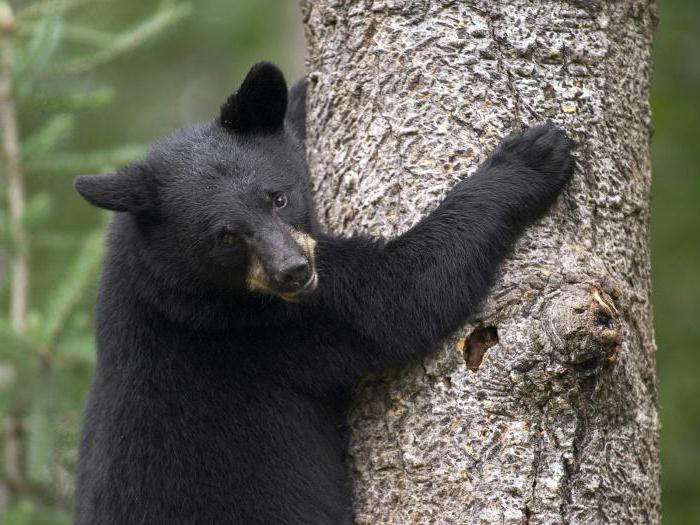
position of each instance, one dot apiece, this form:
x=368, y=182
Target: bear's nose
x=295, y=272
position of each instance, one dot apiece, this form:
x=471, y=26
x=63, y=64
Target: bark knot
x=587, y=329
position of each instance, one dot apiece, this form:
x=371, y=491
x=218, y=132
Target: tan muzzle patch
x=259, y=281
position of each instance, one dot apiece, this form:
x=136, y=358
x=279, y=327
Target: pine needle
x=128, y=40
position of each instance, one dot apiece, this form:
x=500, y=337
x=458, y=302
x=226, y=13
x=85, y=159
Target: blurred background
x=98, y=80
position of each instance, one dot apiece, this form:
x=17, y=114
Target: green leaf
x=52, y=134
x=8, y=386
x=128, y=40
x=56, y=240
x=27, y=512
x=70, y=291
x=35, y=328
x=15, y=348
x=87, y=162
x=37, y=210
x=80, y=350
x=70, y=101
x=88, y=36
x=51, y=6
x=4, y=227
x=44, y=41
x=41, y=430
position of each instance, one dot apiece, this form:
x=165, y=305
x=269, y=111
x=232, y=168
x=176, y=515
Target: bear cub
x=231, y=329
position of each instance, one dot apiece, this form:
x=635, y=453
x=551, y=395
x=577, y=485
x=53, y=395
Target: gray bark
x=544, y=408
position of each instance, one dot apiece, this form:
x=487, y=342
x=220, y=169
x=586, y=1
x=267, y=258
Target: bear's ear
x=131, y=189
x=259, y=104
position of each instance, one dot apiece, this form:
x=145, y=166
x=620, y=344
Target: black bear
x=231, y=329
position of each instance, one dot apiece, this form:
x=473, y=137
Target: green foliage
x=49, y=136
x=86, y=100
x=40, y=439
x=67, y=295
x=45, y=368
x=675, y=234
x=72, y=162
x=27, y=512
x=109, y=47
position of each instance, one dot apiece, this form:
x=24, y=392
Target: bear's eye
x=228, y=236
x=279, y=200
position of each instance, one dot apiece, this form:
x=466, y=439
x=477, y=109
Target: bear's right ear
x=259, y=104
x=130, y=189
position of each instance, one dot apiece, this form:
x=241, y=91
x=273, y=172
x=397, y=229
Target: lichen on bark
x=558, y=423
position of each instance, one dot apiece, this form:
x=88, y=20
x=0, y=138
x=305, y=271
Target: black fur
x=215, y=404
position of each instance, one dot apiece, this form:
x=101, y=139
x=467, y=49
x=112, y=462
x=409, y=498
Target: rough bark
x=543, y=410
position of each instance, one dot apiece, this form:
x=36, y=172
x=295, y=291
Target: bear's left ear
x=130, y=189
x=259, y=104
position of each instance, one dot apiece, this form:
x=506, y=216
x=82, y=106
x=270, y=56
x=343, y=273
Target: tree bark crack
x=536, y=460
x=490, y=19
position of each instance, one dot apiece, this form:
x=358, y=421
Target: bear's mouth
x=259, y=282
x=305, y=290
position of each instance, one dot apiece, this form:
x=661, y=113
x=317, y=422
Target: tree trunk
x=544, y=408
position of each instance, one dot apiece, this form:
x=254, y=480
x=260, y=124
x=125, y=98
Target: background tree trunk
x=543, y=410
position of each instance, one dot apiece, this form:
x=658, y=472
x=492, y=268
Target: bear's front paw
x=545, y=149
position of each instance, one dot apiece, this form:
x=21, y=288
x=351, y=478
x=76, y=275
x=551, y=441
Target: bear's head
x=226, y=202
